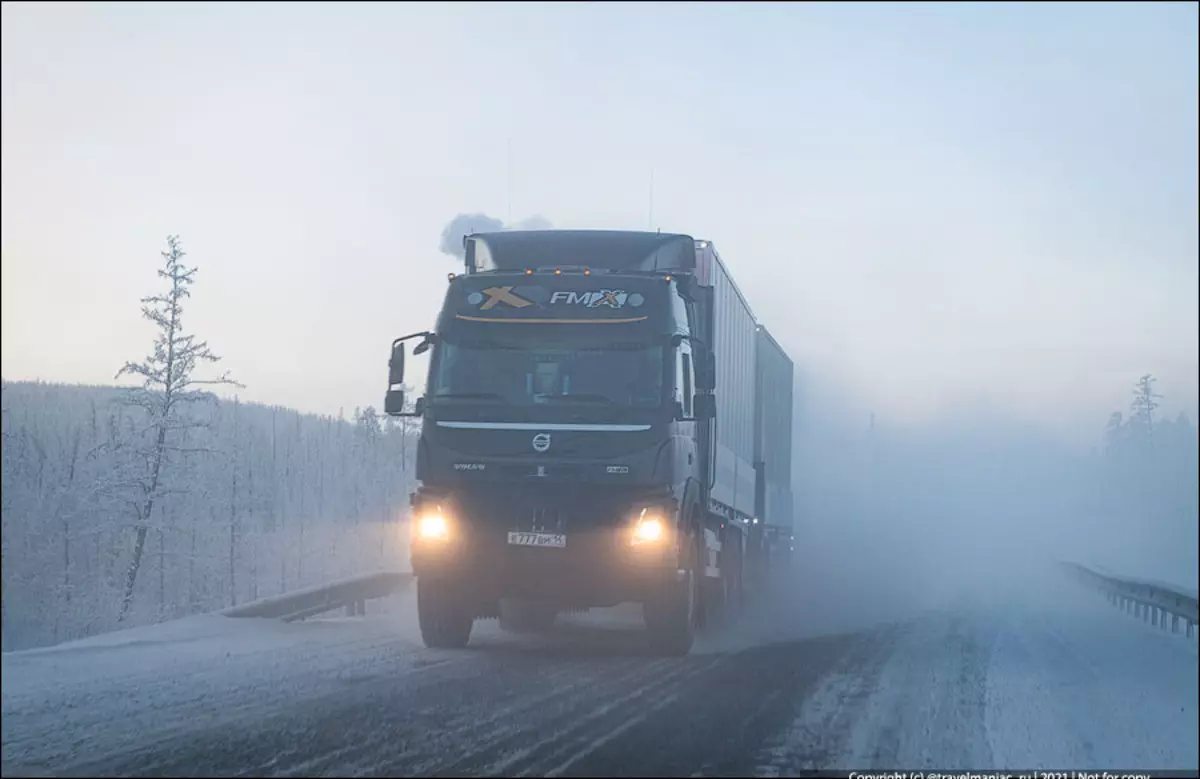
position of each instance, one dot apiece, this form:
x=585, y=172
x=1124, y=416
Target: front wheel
x=672, y=615
x=443, y=614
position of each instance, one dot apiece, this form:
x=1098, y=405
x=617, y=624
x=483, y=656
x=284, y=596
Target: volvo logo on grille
x=541, y=442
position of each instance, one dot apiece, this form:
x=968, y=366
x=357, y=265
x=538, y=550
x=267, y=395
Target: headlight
x=433, y=527
x=649, y=529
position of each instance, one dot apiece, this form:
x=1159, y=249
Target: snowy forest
x=259, y=501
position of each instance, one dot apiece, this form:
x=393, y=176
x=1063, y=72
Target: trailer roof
x=599, y=249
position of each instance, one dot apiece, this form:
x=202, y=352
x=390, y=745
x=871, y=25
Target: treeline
x=1149, y=486
x=252, y=501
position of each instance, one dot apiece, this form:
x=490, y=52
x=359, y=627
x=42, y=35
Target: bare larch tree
x=169, y=388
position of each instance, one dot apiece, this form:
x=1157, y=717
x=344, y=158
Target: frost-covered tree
x=1145, y=399
x=169, y=389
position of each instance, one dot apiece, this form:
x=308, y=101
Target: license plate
x=556, y=540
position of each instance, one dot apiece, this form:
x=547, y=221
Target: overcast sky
x=933, y=207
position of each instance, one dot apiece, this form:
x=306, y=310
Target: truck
x=597, y=428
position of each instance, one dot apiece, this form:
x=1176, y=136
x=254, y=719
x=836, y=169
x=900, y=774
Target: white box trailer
x=732, y=331
x=774, y=381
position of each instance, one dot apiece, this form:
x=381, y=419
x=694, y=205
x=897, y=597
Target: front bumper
x=599, y=566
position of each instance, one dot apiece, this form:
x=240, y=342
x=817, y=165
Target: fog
x=970, y=512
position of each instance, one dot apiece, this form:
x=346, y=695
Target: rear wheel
x=673, y=614
x=442, y=611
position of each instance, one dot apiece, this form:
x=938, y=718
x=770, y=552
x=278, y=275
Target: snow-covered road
x=984, y=680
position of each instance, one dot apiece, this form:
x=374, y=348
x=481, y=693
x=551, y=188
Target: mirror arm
x=410, y=336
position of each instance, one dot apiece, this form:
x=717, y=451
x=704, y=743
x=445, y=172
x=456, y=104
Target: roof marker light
x=558, y=271
x=529, y=271
x=450, y=276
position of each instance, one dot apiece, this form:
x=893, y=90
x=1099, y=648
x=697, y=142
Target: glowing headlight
x=433, y=527
x=648, y=530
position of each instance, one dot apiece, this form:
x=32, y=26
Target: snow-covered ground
x=1035, y=672
x=1062, y=681
x=123, y=689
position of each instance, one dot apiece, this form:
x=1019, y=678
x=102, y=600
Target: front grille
x=546, y=519
x=540, y=473
x=546, y=508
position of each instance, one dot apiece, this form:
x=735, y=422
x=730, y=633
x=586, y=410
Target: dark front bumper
x=597, y=567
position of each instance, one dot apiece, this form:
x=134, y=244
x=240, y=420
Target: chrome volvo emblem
x=541, y=442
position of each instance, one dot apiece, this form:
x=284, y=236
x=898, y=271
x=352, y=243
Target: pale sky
x=934, y=207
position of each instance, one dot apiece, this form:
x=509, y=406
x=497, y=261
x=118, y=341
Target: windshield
x=627, y=376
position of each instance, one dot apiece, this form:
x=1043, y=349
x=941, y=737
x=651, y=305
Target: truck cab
x=567, y=452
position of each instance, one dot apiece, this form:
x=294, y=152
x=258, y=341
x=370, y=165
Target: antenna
x=650, y=214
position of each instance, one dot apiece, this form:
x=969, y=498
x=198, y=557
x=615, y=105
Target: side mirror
x=396, y=366
x=704, y=407
x=393, y=402
x=393, y=405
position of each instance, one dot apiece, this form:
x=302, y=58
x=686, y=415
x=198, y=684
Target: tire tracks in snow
x=913, y=697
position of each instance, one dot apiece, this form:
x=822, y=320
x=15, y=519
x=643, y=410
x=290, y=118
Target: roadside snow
x=1074, y=683
x=1033, y=673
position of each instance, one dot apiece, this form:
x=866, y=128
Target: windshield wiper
x=468, y=396
x=582, y=397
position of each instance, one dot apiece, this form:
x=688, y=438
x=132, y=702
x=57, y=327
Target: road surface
x=1065, y=683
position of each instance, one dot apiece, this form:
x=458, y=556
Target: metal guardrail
x=352, y=594
x=1150, y=601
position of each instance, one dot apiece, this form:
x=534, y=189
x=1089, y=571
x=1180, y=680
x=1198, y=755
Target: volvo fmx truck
x=603, y=422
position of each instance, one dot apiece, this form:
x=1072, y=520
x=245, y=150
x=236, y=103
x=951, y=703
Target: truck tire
x=445, y=620
x=673, y=614
x=733, y=575
x=526, y=617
